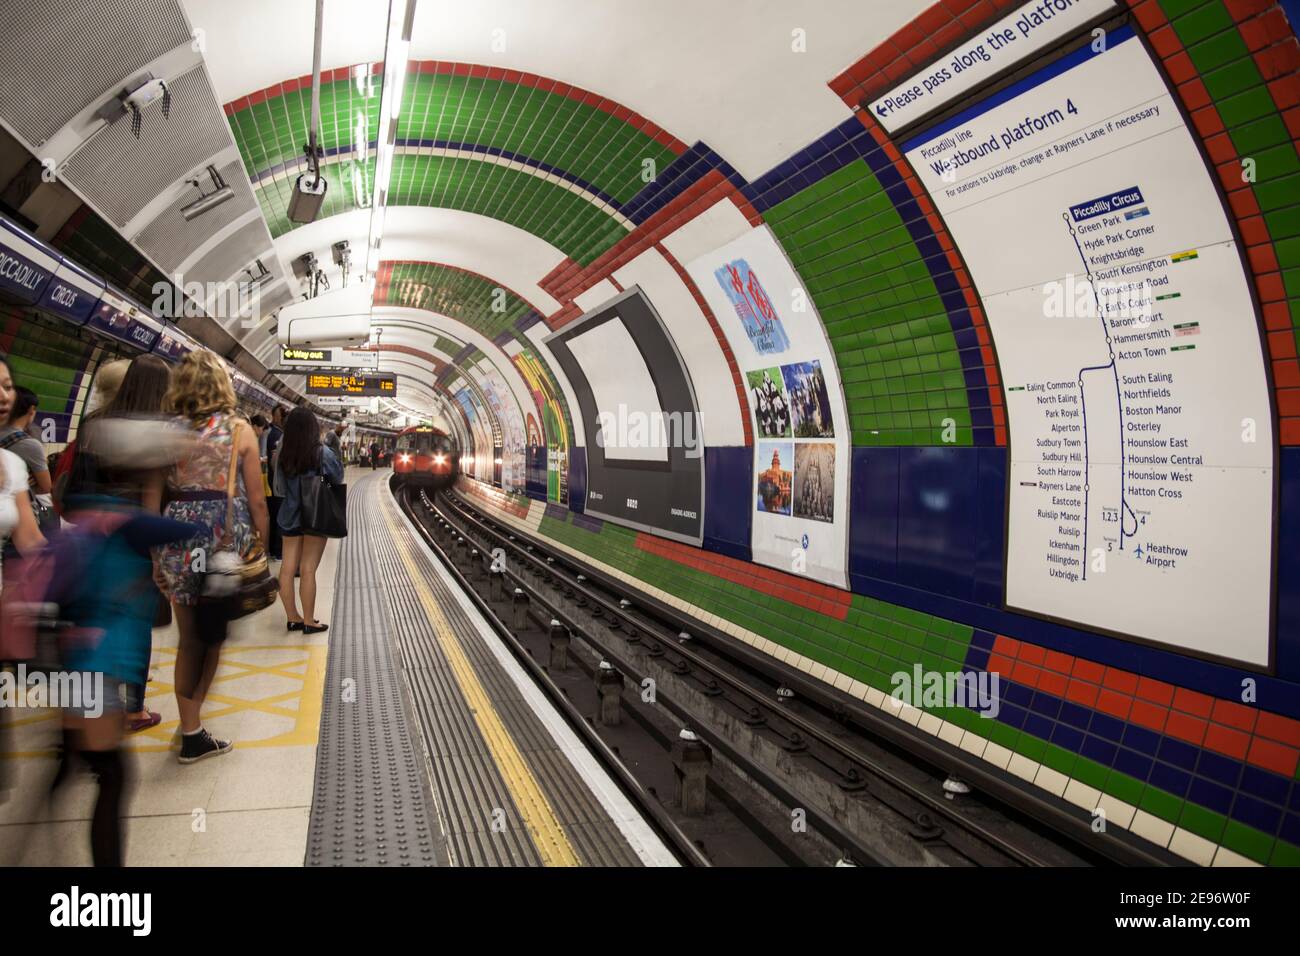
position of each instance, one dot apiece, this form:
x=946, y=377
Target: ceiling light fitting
x=221, y=192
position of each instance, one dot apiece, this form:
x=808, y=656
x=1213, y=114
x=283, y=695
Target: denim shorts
x=109, y=698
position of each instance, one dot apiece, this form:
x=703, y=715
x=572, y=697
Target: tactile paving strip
x=372, y=805
x=468, y=782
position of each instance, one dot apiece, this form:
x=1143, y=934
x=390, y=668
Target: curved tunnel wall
x=522, y=204
x=1191, y=753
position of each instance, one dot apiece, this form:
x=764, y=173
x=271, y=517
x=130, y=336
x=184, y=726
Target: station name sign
x=323, y=383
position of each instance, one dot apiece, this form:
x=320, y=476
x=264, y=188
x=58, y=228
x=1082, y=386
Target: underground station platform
x=767, y=436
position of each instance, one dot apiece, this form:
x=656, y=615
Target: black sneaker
x=195, y=747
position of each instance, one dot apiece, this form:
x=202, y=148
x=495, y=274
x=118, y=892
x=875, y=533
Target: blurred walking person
x=103, y=583
x=102, y=392
x=136, y=411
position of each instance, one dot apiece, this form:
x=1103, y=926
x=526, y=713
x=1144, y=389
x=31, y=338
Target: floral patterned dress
x=196, y=492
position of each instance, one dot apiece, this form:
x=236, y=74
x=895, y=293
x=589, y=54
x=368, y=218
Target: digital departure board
x=324, y=383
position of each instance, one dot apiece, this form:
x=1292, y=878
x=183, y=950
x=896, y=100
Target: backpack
x=46, y=517
x=41, y=598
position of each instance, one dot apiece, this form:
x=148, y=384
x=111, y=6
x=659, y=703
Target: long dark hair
x=143, y=387
x=300, y=448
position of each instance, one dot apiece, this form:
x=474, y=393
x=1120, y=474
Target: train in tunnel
x=425, y=457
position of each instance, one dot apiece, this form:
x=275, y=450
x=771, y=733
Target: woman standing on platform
x=301, y=456
x=202, y=395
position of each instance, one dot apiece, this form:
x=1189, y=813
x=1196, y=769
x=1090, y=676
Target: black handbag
x=324, y=507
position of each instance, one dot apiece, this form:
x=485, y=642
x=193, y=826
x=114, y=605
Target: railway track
x=792, y=751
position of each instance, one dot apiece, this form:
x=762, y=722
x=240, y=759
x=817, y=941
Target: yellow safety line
x=539, y=817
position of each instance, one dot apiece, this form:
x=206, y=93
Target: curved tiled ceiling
x=518, y=161
x=763, y=99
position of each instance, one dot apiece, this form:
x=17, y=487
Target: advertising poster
x=776, y=480
x=502, y=403
x=553, y=434
x=801, y=439
x=479, y=462
x=1142, y=484
x=644, y=441
x=814, y=489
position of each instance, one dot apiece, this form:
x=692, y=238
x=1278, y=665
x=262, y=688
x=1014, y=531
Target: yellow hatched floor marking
x=539, y=817
x=237, y=660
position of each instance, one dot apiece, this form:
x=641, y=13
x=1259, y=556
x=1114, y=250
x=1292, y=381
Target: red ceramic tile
x=1184, y=727
x=1120, y=681
x=1253, y=230
x=1243, y=203
x=1149, y=715
x=1082, y=693
x=1194, y=94
x=1061, y=663
x=1026, y=674
x=1191, y=702
x=949, y=34
x=1281, y=345
x=1117, y=705
x=1262, y=258
x=932, y=19
x=1289, y=429
x=907, y=36
x=1261, y=32
x=1286, y=91
x=1272, y=756
x=1276, y=727
x=1284, y=58
x=1149, y=14
x=1006, y=646
x=1165, y=41
x=1286, y=373
x=1242, y=9
x=1157, y=692
x=1227, y=741
x=1232, y=714
x=1270, y=287
x=999, y=664
x=1052, y=683
x=1180, y=67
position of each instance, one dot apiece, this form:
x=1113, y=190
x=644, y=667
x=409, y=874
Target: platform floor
x=406, y=735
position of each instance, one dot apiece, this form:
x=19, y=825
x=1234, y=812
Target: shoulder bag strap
x=230, y=479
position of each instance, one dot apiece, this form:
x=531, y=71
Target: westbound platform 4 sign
x=1140, y=427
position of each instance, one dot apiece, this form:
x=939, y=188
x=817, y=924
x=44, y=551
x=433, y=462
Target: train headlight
x=439, y=459
x=404, y=458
